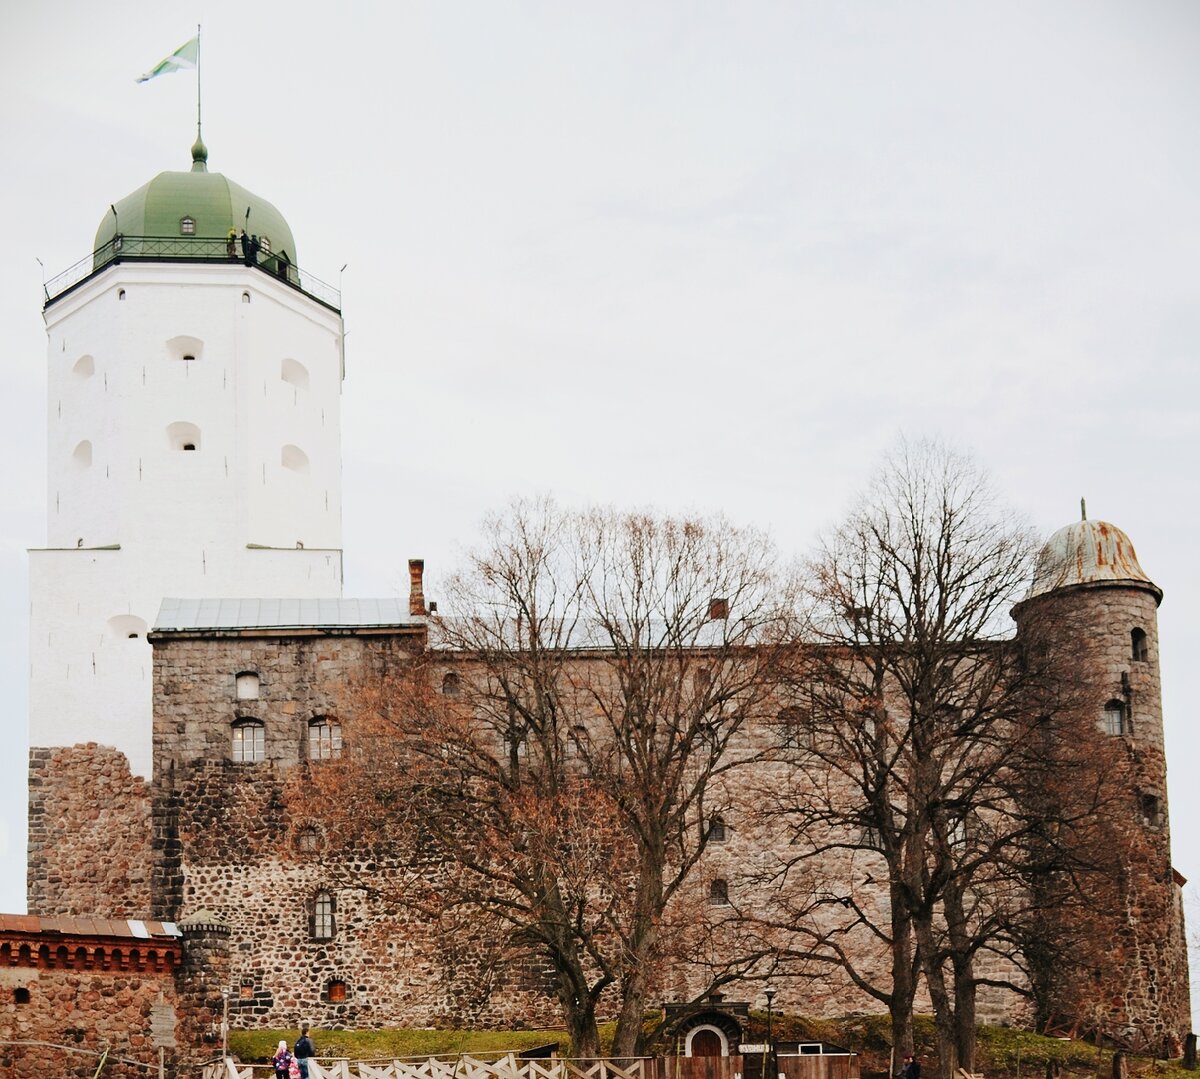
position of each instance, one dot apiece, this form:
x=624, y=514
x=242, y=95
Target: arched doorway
x=706, y=1042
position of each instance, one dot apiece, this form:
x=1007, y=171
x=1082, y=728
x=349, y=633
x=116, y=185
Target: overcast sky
x=695, y=256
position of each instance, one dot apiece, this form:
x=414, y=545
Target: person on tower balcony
x=231, y=243
x=245, y=247
x=255, y=248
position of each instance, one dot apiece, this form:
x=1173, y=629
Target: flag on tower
x=183, y=58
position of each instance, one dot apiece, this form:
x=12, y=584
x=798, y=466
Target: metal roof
x=192, y=614
x=67, y=925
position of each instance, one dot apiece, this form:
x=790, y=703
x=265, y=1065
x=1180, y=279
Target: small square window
x=187, y=226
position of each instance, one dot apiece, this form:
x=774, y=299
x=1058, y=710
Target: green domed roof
x=213, y=202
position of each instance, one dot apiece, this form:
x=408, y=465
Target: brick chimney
x=416, y=588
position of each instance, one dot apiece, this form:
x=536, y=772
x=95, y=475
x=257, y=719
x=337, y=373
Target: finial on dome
x=199, y=153
x=1083, y=509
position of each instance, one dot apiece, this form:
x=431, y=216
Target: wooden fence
x=462, y=1067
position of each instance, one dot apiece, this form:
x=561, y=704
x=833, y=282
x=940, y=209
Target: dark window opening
x=718, y=893
x=716, y=829
x=451, y=687
x=1141, y=645
x=20, y=995
x=1150, y=810
x=189, y=446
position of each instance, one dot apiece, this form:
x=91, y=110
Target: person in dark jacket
x=303, y=1050
x=911, y=1069
x=245, y=247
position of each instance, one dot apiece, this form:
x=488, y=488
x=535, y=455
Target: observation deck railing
x=190, y=249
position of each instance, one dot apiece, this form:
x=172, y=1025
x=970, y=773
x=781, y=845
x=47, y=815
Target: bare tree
x=924, y=730
x=557, y=753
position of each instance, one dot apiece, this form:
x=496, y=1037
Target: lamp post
x=770, y=991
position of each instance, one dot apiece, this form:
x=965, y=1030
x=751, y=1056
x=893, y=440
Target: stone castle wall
x=89, y=834
x=62, y=1006
x=225, y=834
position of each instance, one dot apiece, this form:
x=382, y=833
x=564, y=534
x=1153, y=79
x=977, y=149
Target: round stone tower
x=194, y=451
x=1089, y=571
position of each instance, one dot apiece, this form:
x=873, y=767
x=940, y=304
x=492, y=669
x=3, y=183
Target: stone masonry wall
x=1140, y=992
x=225, y=840
x=70, y=1016
x=89, y=834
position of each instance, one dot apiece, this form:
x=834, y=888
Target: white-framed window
x=324, y=739
x=187, y=226
x=1114, y=718
x=324, y=911
x=249, y=741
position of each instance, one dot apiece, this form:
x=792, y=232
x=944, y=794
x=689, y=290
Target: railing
x=190, y=249
x=508, y=1066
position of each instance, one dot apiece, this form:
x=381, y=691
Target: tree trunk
x=943, y=1011
x=963, y=960
x=900, y=1004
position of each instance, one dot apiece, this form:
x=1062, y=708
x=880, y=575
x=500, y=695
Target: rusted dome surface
x=1088, y=552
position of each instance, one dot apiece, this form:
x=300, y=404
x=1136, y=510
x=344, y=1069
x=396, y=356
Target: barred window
x=717, y=832
x=324, y=739
x=718, y=893
x=249, y=742
x=308, y=839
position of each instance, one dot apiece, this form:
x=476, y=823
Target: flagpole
x=198, y=131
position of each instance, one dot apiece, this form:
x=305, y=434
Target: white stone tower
x=194, y=445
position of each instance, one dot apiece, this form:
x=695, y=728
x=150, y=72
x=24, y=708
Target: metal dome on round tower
x=1089, y=553
x=197, y=203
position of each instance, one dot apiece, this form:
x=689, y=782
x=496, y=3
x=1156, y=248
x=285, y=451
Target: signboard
x=162, y=1026
x=747, y=1049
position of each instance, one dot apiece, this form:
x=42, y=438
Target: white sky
x=699, y=256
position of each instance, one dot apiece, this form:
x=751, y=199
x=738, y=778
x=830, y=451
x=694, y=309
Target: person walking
x=304, y=1049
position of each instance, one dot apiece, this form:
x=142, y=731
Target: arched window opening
x=1151, y=811
x=1140, y=645
x=127, y=627
x=246, y=686
x=322, y=924
x=336, y=991
x=187, y=226
x=120, y=294
x=84, y=367
x=245, y=297
x=718, y=893
x=324, y=738
x=1114, y=721
x=716, y=829
x=185, y=347
x=294, y=373
x=20, y=995
x=249, y=741
x=308, y=839
x=182, y=435
x=451, y=687
x=81, y=455
x=294, y=459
